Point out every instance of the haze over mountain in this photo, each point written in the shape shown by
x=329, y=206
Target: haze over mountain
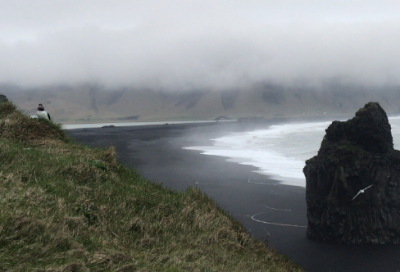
x=91, y=102
x=116, y=59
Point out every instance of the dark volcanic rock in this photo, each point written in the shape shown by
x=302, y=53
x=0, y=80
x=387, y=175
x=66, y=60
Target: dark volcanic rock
x=3, y=98
x=354, y=155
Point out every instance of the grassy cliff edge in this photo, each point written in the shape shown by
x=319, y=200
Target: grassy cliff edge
x=67, y=207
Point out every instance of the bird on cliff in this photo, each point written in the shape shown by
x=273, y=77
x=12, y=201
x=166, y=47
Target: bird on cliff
x=41, y=113
x=362, y=191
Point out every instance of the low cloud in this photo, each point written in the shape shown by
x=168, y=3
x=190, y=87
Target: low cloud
x=181, y=45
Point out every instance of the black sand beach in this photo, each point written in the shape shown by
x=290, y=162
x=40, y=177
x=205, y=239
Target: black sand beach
x=156, y=152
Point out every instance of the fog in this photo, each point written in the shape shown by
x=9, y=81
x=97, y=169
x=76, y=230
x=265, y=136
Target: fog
x=186, y=45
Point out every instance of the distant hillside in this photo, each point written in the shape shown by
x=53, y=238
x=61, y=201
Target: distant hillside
x=91, y=102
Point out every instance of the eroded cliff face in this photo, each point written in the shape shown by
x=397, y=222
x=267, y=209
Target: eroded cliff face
x=352, y=185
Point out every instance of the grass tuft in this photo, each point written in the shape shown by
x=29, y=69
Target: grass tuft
x=18, y=127
x=66, y=207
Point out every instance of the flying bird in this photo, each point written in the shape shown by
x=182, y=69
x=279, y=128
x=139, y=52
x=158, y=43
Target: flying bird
x=41, y=113
x=362, y=191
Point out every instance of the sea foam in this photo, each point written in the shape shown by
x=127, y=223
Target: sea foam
x=279, y=151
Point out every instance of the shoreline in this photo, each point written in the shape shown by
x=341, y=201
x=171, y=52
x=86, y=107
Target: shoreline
x=131, y=124
x=157, y=153
x=246, y=121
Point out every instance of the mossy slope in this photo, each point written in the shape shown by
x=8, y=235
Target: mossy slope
x=66, y=207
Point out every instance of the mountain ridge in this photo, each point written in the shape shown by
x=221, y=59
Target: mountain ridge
x=93, y=102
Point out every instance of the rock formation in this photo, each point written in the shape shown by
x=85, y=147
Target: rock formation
x=342, y=206
x=3, y=98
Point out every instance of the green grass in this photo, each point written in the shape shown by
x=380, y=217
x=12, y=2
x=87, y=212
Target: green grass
x=66, y=207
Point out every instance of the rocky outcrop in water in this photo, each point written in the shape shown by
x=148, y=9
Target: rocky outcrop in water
x=3, y=98
x=352, y=185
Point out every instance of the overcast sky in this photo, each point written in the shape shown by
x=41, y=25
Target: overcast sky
x=184, y=44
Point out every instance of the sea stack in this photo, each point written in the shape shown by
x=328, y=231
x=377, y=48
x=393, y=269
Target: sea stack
x=352, y=185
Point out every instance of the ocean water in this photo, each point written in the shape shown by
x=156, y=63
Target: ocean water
x=131, y=124
x=279, y=151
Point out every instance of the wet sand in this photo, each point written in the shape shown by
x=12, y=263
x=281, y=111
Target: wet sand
x=269, y=211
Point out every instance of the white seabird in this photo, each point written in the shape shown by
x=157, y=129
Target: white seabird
x=362, y=191
x=41, y=113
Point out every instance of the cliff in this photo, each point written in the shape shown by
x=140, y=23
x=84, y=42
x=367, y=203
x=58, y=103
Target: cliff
x=352, y=185
x=68, y=207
